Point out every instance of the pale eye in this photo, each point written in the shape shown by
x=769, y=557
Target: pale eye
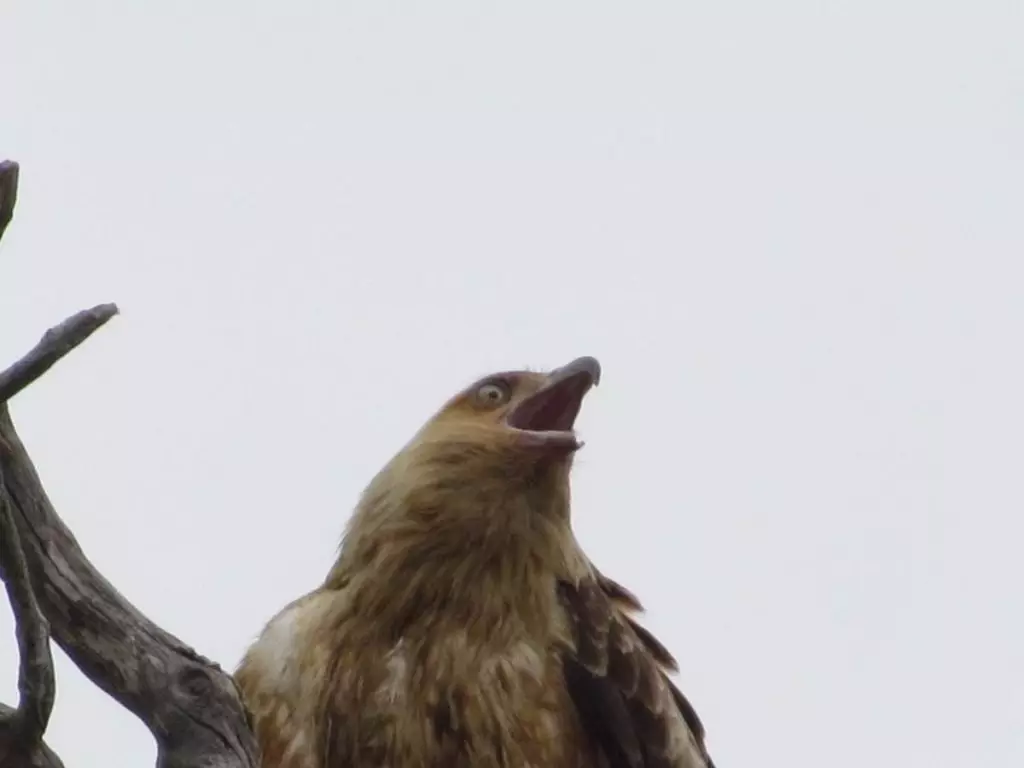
x=492, y=394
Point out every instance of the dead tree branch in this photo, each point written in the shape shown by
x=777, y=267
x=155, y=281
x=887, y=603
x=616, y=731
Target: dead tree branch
x=56, y=343
x=21, y=729
x=35, y=679
x=8, y=193
x=189, y=704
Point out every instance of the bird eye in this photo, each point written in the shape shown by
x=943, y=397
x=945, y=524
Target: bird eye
x=492, y=394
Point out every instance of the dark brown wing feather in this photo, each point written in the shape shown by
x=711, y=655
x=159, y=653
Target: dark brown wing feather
x=618, y=679
x=660, y=653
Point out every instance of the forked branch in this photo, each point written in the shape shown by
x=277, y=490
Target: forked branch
x=190, y=705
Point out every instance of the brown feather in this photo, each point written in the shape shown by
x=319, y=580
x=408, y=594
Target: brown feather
x=605, y=715
x=620, y=686
x=619, y=595
x=461, y=625
x=653, y=645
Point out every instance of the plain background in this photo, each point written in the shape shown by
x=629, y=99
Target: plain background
x=792, y=232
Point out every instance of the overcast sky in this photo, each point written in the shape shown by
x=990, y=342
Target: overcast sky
x=792, y=232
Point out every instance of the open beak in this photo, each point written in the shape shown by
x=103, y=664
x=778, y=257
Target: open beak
x=547, y=418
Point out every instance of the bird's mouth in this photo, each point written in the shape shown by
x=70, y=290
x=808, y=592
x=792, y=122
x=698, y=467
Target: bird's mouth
x=547, y=418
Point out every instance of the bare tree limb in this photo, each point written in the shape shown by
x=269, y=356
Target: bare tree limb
x=21, y=730
x=35, y=680
x=12, y=752
x=8, y=193
x=56, y=343
x=190, y=705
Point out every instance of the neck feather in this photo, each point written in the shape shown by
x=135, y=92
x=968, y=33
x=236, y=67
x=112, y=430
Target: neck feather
x=471, y=559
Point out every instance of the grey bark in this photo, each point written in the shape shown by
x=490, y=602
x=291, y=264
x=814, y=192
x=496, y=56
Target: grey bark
x=190, y=705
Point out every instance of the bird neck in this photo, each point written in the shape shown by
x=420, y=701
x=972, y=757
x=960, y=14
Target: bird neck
x=473, y=561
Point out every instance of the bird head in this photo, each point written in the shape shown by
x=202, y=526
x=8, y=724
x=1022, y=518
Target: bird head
x=523, y=416
x=503, y=429
x=484, y=482
x=508, y=437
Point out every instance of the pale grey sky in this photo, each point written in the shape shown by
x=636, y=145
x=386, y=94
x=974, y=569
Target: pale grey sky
x=792, y=232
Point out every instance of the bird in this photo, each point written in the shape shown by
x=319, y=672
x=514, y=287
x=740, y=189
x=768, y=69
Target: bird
x=462, y=625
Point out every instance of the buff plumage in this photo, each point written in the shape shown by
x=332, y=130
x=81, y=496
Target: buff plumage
x=462, y=626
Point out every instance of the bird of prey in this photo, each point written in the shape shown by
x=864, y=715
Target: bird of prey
x=461, y=625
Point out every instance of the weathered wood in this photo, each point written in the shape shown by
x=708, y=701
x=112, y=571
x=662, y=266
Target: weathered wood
x=21, y=729
x=8, y=193
x=190, y=705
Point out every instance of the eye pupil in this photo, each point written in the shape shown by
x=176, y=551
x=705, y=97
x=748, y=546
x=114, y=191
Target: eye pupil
x=492, y=394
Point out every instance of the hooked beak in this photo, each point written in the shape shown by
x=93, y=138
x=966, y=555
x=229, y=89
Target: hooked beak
x=546, y=419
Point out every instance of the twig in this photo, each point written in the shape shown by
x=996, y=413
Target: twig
x=8, y=193
x=54, y=345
